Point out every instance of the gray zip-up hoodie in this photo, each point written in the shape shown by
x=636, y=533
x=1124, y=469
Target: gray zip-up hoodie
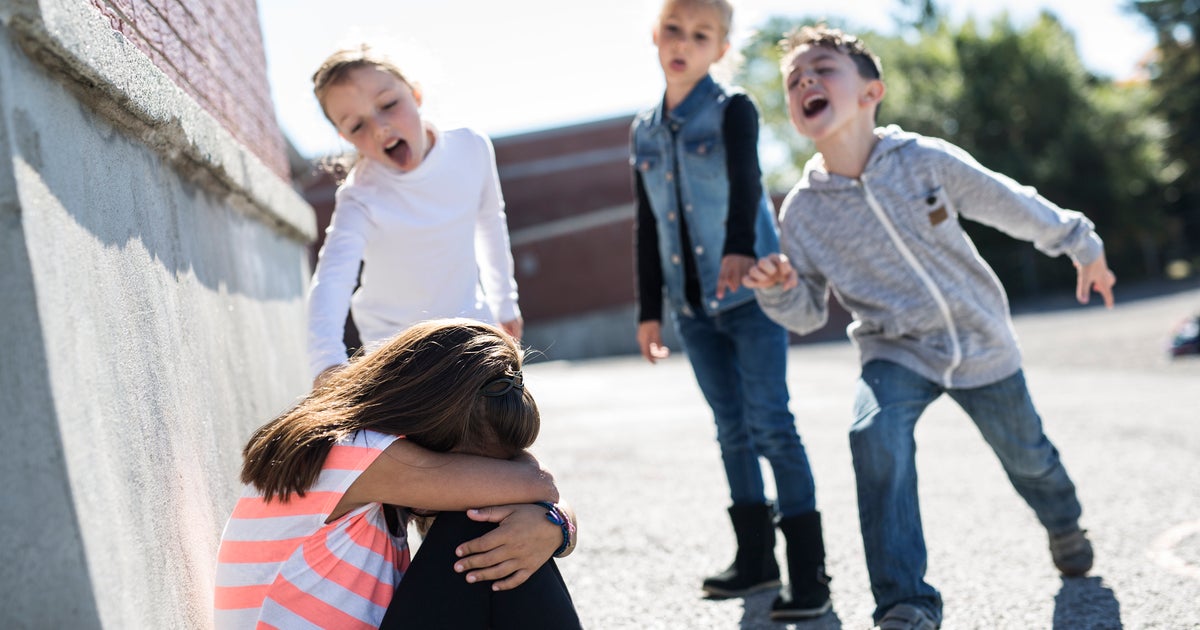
x=890, y=247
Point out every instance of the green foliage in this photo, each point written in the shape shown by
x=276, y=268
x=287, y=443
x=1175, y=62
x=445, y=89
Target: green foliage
x=1021, y=102
x=1176, y=86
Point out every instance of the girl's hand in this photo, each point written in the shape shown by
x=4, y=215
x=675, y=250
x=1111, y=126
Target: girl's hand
x=514, y=327
x=649, y=337
x=770, y=271
x=509, y=554
x=734, y=267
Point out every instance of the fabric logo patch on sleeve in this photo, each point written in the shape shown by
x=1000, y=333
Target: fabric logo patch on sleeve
x=938, y=214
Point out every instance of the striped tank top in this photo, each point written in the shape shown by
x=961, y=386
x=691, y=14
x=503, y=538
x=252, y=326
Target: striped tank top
x=281, y=565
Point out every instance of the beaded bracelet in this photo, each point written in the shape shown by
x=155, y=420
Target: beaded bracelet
x=555, y=515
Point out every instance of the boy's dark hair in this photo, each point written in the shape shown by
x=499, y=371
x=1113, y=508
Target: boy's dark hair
x=834, y=39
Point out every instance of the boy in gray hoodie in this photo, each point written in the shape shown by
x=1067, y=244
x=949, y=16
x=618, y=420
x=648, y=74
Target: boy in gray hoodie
x=875, y=219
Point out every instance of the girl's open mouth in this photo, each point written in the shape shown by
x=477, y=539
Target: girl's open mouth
x=398, y=152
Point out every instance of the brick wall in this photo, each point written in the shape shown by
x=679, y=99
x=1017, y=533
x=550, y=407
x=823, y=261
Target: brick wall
x=213, y=50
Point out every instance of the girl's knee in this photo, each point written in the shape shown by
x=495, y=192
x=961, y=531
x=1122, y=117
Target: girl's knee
x=456, y=528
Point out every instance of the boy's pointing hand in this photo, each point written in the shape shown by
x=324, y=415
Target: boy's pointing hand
x=770, y=271
x=1095, y=276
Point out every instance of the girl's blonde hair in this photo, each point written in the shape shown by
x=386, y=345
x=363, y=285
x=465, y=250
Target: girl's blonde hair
x=725, y=69
x=335, y=70
x=723, y=8
x=337, y=67
x=435, y=384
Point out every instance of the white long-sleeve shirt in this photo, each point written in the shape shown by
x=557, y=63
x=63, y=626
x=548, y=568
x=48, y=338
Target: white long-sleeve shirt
x=433, y=243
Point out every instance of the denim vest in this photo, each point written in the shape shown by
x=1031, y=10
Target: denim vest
x=681, y=158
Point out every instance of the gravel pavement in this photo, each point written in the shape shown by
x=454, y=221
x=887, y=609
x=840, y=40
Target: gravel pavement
x=633, y=449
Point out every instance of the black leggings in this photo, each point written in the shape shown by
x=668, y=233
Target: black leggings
x=432, y=595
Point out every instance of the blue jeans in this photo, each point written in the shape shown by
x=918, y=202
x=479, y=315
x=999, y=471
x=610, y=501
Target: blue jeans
x=889, y=400
x=740, y=360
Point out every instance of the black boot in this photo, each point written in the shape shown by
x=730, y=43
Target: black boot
x=754, y=567
x=807, y=595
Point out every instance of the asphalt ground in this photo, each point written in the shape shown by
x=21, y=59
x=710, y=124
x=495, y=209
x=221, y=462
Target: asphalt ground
x=632, y=447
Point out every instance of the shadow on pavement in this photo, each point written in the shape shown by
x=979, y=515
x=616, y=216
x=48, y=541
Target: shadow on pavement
x=756, y=615
x=1086, y=604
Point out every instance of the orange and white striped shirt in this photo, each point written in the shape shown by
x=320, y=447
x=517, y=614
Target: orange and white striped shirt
x=281, y=565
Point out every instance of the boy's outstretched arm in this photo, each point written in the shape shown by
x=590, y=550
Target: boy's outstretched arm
x=769, y=271
x=1095, y=276
x=797, y=301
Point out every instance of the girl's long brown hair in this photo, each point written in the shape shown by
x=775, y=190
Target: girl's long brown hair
x=425, y=384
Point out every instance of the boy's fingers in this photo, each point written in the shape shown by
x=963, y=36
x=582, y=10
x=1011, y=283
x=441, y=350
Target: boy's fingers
x=1104, y=288
x=791, y=281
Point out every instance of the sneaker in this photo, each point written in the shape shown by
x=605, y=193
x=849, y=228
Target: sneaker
x=1072, y=553
x=906, y=617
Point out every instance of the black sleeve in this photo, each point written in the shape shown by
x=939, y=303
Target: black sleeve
x=648, y=265
x=740, y=133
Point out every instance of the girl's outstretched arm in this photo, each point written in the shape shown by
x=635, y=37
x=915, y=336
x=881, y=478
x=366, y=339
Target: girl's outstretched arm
x=412, y=476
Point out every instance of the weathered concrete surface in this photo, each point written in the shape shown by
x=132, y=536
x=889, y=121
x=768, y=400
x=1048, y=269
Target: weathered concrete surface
x=633, y=448
x=151, y=302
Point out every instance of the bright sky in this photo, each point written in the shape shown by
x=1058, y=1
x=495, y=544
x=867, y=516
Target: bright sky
x=518, y=65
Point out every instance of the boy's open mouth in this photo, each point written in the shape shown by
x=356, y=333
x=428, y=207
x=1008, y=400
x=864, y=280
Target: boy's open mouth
x=814, y=105
x=398, y=151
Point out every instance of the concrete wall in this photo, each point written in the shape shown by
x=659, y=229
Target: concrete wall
x=152, y=271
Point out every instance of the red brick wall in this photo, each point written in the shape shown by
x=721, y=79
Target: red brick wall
x=213, y=50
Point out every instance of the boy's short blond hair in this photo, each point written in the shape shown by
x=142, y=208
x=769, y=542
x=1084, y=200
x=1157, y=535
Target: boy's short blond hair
x=834, y=39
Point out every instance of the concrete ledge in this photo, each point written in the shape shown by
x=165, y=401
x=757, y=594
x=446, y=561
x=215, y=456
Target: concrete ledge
x=117, y=80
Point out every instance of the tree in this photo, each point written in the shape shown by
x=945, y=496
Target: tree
x=1176, y=84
